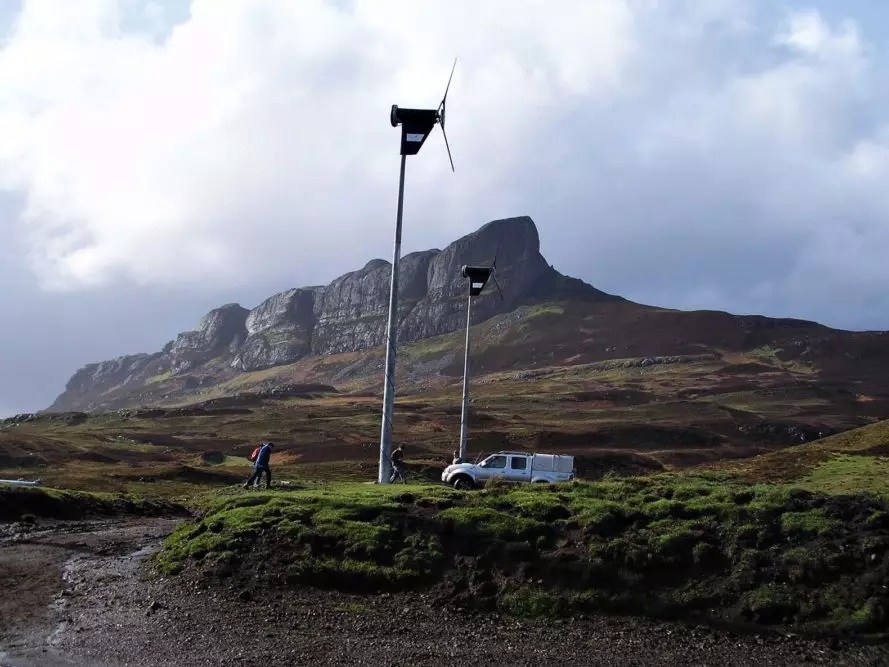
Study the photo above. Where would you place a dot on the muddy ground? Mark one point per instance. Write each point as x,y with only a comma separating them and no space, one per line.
75,593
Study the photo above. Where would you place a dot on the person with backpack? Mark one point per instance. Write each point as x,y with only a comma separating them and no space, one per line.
252,459
397,461
260,458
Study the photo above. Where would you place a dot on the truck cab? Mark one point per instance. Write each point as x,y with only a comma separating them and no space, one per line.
512,467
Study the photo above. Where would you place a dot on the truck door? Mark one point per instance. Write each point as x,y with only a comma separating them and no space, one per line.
519,470
493,466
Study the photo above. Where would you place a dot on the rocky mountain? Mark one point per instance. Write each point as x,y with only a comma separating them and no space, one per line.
335,334
348,315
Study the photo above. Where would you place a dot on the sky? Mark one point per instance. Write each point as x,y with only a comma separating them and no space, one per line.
160,158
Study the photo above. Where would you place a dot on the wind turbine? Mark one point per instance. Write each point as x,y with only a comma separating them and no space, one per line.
416,125
478,278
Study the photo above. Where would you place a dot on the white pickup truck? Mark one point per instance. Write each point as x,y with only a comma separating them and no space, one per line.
515,467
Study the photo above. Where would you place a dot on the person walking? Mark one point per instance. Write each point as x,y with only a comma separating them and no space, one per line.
261,465
252,459
397,461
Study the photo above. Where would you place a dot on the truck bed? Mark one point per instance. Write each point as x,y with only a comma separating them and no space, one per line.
552,463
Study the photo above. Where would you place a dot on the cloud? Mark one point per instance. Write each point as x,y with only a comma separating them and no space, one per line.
256,121
694,153
748,183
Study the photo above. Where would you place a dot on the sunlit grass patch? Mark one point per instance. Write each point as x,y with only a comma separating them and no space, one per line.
850,473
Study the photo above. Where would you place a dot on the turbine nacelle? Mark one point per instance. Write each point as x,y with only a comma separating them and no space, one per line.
478,278
416,124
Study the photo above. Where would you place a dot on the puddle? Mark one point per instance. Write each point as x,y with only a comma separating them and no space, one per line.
94,562
80,574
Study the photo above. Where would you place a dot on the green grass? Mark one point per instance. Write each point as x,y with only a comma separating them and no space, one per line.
162,377
849,473
486,523
353,521
545,309
666,545
811,522
432,347
767,353
850,462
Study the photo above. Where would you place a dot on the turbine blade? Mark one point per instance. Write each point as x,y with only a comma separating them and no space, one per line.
498,288
445,135
449,83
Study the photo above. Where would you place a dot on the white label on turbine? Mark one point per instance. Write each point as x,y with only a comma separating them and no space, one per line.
415,137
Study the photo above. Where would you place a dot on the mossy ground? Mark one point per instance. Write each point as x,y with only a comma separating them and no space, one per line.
667,545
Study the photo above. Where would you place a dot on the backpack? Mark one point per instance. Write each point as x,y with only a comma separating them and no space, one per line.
255,453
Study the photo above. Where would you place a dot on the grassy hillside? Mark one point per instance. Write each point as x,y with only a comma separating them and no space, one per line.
623,387
618,416
793,539
602,339
694,546
850,462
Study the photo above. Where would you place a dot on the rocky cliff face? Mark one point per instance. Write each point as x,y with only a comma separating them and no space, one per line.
221,329
88,385
278,331
513,245
349,314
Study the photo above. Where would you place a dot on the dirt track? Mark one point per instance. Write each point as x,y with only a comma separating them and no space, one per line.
73,594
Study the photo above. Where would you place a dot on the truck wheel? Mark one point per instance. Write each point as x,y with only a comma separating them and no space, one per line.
463,483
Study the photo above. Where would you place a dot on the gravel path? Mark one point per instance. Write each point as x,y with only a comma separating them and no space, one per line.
75,595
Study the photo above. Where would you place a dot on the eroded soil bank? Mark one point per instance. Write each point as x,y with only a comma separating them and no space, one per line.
74,594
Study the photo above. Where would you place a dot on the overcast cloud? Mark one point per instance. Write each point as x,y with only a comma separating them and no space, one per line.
160,158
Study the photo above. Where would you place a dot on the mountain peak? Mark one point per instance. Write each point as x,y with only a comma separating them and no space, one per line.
348,315
375,264
521,229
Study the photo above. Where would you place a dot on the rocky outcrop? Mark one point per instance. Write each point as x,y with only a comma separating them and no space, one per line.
221,329
349,314
432,291
354,311
279,330
512,245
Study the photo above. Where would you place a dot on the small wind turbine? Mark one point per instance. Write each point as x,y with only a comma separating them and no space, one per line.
478,278
416,125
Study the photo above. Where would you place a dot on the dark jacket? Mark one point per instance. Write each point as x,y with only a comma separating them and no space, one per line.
262,459
397,457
